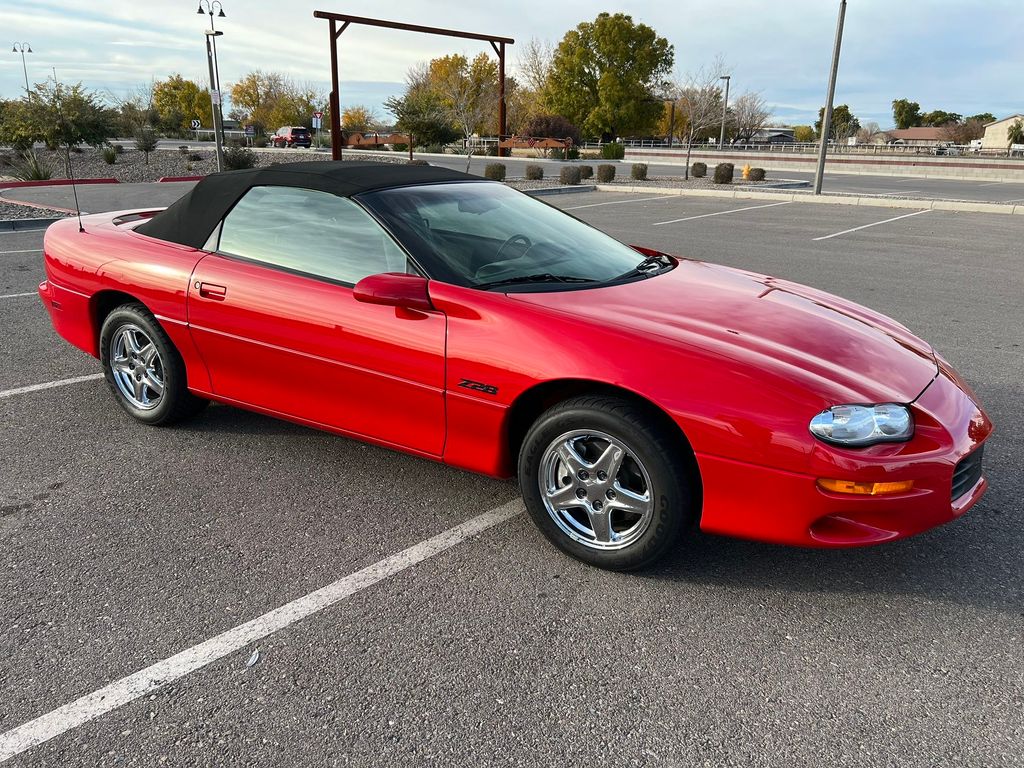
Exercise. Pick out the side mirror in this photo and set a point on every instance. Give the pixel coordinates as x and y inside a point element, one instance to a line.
<point>394,289</point>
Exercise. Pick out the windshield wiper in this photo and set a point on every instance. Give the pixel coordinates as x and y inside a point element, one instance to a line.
<point>542,277</point>
<point>644,267</point>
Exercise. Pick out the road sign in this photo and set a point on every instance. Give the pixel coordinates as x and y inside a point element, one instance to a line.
<point>316,123</point>
<point>196,125</point>
<point>250,130</point>
<point>318,115</point>
<point>215,96</point>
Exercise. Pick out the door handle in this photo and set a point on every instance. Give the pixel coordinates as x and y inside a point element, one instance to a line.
<point>211,290</point>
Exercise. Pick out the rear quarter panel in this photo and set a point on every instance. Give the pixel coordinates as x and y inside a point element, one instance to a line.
<point>86,270</point>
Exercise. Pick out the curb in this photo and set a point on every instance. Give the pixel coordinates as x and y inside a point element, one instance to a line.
<point>181,178</point>
<point>14,225</point>
<point>876,202</point>
<point>561,190</point>
<point>54,183</point>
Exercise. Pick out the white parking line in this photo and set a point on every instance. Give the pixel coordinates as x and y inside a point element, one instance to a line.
<point>721,213</point>
<point>18,295</point>
<point>866,226</point>
<point>619,202</point>
<point>28,250</point>
<point>156,676</point>
<point>48,385</point>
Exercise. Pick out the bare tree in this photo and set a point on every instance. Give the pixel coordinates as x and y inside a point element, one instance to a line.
<point>869,133</point>
<point>750,114</point>
<point>699,101</point>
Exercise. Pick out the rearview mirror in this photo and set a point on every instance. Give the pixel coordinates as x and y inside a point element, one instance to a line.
<point>394,289</point>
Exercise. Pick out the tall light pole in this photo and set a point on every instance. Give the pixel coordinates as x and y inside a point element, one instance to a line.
<point>216,96</point>
<point>23,48</point>
<point>826,120</point>
<point>725,110</point>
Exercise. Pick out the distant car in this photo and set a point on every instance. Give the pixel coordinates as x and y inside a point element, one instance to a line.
<point>292,136</point>
<point>947,149</point>
<point>635,394</point>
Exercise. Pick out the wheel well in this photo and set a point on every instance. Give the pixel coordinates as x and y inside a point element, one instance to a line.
<point>102,304</point>
<point>528,407</point>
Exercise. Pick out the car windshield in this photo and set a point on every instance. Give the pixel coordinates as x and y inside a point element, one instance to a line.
<point>484,235</point>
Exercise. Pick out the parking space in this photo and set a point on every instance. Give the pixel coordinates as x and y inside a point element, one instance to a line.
<point>124,545</point>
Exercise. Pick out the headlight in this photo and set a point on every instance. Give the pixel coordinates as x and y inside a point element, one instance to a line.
<point>860,425</point>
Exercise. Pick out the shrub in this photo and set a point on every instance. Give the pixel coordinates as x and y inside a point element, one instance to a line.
<point>183,150</point>
<point>586,171</point>
<point>145,141</point>
<point>492,150</point>
<point>757,174</point>
<point>433,149</point>
<point>237,158</point>
<point>195,157</point>
<point>109,155</point>
<point>639,171</point>
<point>605,173</point>
<point>699,170</point>
<point>569,174</point>
<point>534,173</point>
<point>119,149</point>
<point>29,167</point>
<point>260,142</point>
<point>613,151</point>
<point>76,149</point>
<point>416,162</point>
<point>495,171</point>
<point>560,154</point>
<point>723,173</point>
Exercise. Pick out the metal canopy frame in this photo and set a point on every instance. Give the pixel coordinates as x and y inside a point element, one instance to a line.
<point>339,22</point>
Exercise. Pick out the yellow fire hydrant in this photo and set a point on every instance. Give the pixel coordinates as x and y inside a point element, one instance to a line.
<point>746,172</point>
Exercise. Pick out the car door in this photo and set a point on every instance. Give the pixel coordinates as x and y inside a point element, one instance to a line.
<point>272,312</point>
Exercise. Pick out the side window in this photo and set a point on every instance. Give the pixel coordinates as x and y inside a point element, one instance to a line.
<point>312,232</point>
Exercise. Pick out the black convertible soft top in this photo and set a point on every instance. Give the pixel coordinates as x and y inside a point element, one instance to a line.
<point>192,218</point>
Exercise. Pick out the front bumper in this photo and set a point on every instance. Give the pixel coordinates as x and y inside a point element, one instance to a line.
<point>742,499</point>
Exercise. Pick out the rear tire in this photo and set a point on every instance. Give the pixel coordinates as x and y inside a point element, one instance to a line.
<point>607,483</point>
<point>143,368</point>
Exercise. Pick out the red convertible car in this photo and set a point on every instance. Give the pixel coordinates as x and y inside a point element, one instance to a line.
<point>636,395</point>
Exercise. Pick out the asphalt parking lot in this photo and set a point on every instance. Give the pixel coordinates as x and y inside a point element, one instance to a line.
<point>124,545</point>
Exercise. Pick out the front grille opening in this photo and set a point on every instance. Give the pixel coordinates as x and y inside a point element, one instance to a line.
<point>967,473</point>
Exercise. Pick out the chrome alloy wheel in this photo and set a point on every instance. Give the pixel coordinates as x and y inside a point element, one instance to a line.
<point>596,489</point>
<point>137,367</point>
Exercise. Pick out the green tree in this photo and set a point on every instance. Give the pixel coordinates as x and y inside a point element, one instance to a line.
<point>602,75</point>
<point>1015,134</point>
<point>178,102</point>
<point>939,118</point>
<point>844,123</point>
<point>804,133</point>
<point>420,112</point>
<point>906,114</point>
<point>59,115</point>
<point>984,118</point>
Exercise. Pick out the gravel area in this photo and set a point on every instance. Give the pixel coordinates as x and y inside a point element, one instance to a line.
<point>131,166</point>
<point>673,182</point>
<point>10,211</point>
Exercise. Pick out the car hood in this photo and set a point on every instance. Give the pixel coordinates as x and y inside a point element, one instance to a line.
<point>843,351</point>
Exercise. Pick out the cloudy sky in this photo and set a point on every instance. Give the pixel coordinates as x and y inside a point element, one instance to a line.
<point>958,55</point>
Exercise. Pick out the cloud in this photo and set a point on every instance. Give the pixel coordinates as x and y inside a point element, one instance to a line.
<point>942,53</point>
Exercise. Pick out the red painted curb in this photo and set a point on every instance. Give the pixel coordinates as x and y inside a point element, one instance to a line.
<point>181,178</point>
<point>54,183</point>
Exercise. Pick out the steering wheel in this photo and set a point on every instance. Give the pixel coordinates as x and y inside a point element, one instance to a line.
<point>522,239</point>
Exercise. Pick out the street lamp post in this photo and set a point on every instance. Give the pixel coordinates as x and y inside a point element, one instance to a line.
<point>216,97</point>
<point>725,109</point>
<point>826,119</point>
<point>23,48</point>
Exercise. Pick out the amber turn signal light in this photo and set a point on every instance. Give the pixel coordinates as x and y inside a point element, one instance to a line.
<point>865,489</point>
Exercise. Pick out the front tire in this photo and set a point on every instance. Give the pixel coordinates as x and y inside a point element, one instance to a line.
<point>606,482</point>
<point>143,369</point>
